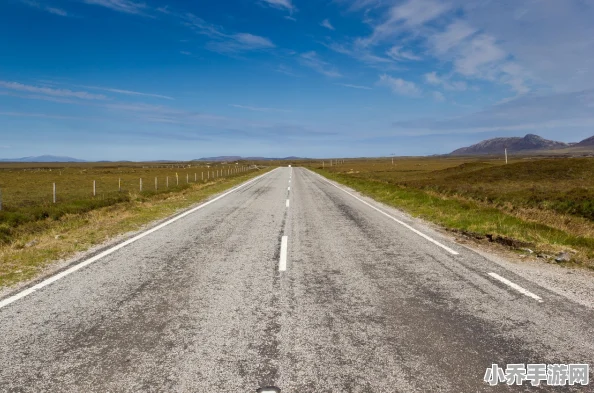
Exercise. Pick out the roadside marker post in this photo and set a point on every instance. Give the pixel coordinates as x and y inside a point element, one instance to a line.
<point>54,186</point>
<point>141,184</point>
<point>94,188</point>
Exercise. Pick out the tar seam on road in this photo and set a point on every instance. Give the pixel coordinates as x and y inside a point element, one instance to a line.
<point>89,261</point>
<point>516,287</point>
<point>282,264</point>
<point>393,218</point>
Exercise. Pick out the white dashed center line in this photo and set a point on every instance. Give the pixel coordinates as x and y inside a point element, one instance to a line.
<point>282,264</point>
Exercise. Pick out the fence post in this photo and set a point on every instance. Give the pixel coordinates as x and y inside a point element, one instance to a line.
<point>167,181</point>
<point>141,184</point>
<point>54,192</point>
<point>176,179</point>
<point>195,177</point>
<point>156,186</point>
<point>120,185</point>
<point>94,188</point>
<point>187,178</point>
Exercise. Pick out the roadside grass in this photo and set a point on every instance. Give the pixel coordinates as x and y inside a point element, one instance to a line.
<point>546,205</point>
<point>34,245</point>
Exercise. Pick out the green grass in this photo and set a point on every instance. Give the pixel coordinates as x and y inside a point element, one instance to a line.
<point>546,203</point>
<point>74,231</point>
<point>27,189</point>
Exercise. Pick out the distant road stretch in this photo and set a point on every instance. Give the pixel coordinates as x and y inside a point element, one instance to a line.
<point>287,281</point>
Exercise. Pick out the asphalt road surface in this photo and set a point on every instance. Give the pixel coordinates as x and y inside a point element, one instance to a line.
<point>287,281</point>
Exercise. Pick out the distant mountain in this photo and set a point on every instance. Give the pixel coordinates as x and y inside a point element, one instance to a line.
<point>586,142</point>
<point>238,158</point>
<point>530,142</point>
<point>45,158</point>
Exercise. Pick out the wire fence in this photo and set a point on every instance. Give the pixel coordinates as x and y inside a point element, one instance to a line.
<point>26,188</point>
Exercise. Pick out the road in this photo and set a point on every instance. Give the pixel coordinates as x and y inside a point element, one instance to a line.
<point>359,303</point>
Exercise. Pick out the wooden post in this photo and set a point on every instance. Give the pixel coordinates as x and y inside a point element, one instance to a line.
<point>167,181</point>
<point>187,178</point>
<point>120,185</point>
<point>156,184</point>
<point>506,155</point>
<point>94,188</point>
<point>54,192</point>
<point>195,177</point>
<point>141,184</point>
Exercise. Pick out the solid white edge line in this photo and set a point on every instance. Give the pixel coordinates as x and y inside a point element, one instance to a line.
<point>393,218</point>
<point>287,203</point>
<point>282,264</point>
<point>516,287</point>
<point>87,262</point>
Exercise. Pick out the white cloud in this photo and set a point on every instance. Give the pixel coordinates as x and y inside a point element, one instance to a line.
<point>51,92</point>
<point>480,51</point>
<point>398,54</point>
<point>56,11</point>
<point>127,92</point>
<point>452,37</point>
<point>326,23</point>
<point>354,86</point>
<point>283,69</point>
<point>313,61</point>
<point>438,96</point>
<point>281,4</point>
<point>290,18</point>
<point>399,86</point>
<point>222,41</point>
<point>409,15</point>
<point>433,79</point>
<point>47,8</point>
<point>126,6</point>
<point>530,111</point>
<point>250,41</point>
<point>259,109</point>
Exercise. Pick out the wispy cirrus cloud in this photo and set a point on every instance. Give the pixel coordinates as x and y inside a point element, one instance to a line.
<point>280,4</point>
<point>221,41</point>
<point>433,79</point>
<point>313,61</point>
<point>397,53</point>
<point>354,86</point>
<point>126,6</point>
<point>284,69</point>
<point>399,86</point>
<point>259,109</point>
<point>38,115</point>
<point>326,23</point>
<point>127,92</point>
<point>47,8</point>
<point>530,111</point>
<point>51,91</point>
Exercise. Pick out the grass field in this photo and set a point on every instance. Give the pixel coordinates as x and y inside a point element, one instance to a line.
<point>34,231</point>
<point>27,189</point>
<point>545,204</point>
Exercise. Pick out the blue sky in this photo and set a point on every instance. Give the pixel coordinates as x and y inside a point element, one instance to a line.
<point>173,79</point>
